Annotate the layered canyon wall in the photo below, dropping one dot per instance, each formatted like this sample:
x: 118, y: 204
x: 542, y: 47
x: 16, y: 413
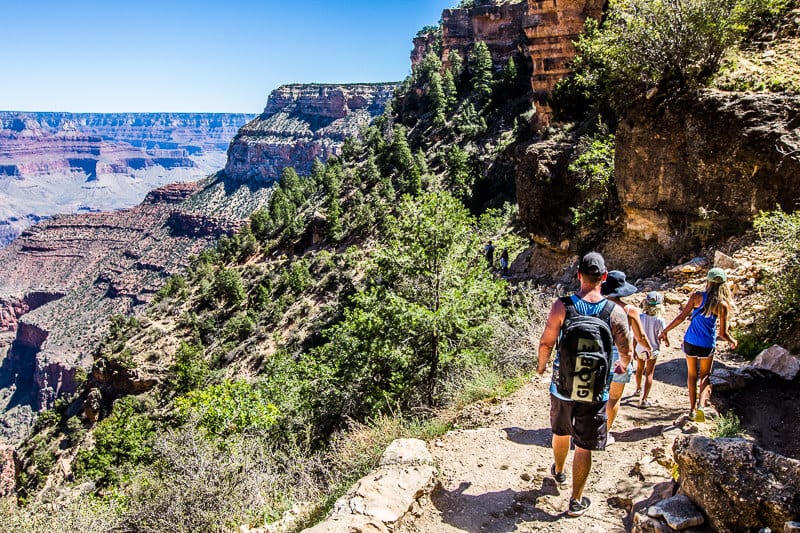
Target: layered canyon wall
x: 539, y: 32
x: 69, y: 162
x: 301, y: 123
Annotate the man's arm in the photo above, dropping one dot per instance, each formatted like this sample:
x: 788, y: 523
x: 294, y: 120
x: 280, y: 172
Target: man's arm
x: 621, y: 332
x: 550, y: 334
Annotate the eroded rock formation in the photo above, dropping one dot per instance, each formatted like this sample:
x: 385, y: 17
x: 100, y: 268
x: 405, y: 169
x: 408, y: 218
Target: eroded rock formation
x: 738, y: 485
x: 66, y: 277
x: 301, y: 123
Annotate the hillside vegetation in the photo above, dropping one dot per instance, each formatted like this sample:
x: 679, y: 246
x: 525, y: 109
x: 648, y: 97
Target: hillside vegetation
x: 359, y: 305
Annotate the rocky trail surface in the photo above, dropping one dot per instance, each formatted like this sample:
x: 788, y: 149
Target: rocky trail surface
x: 494, y: 472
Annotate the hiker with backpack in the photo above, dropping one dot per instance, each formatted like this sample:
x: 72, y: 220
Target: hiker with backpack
x: 615, y: 288
x: 711, y: 311
x: 585, y: 325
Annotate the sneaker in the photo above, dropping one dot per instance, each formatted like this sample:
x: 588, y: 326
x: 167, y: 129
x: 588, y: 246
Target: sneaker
x: 577, y: 508
x: 561, y: 477
x: 637, y: 392
x: 700, y: 415
x: 610, y: 440
x: 692, y: 416
x: 644, y: 404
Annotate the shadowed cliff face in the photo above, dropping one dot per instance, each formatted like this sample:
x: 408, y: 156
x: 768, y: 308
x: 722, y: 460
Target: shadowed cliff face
x: 64, y: 163
x: 688, y: 172
x: 302, y: 123
x: 700, y: 169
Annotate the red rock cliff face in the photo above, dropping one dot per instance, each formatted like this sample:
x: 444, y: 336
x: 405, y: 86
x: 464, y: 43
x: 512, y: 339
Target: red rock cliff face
x: 541, y: 31
x: 302, y: 123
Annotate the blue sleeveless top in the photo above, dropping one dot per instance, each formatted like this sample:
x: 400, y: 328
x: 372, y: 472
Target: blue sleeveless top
x: 702, y: 330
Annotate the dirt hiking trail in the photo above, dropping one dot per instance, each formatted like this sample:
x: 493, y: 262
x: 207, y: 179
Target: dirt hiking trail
x: 494, y: 473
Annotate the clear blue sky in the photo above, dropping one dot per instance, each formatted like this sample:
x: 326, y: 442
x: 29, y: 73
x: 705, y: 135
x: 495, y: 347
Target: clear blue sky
x: 200, y: 55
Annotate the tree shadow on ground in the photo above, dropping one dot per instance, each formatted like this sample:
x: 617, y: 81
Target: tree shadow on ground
x: 493, y: 511
x: 530, y: 437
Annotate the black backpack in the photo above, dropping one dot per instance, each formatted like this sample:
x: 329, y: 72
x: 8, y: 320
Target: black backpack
x: 584, y: 350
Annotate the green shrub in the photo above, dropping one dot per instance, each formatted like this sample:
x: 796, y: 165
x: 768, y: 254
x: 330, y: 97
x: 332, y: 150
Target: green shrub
x: 229, y: 287
x: 190, y: 368
x: 727, y: 426
x: 780, y: 231
x: 593, y: 170
x: 239, y: 327
x: 230, y: 407
x: 121, y: 440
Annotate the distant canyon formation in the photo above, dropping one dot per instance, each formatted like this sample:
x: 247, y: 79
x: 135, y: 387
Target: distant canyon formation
x: 301, y: 123
x: 83, y: 162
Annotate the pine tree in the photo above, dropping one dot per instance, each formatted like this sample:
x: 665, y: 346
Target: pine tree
x: 437, y: 99
x: 450, y: 91
x: 428, y: 316
x: 481, y: 70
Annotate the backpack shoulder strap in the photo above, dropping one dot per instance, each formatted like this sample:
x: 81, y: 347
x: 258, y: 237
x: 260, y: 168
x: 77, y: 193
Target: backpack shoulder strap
x: 570, y: 307
x: 605, y: 314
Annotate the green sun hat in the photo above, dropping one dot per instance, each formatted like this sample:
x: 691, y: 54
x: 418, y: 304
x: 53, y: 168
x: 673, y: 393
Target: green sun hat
x: 717, y: 275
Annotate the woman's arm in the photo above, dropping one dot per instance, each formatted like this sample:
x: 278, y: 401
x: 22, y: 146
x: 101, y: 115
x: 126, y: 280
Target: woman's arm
x: 724, y: 331
x: 694, y: 301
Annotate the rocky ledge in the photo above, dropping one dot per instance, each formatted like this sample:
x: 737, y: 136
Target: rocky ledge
x: 301, y: 123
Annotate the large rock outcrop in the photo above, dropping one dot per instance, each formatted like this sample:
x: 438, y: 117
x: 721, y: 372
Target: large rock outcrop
x: 701, y: 168
x: 738, y: 485
x: 301, y: 123
x: 67, y: 162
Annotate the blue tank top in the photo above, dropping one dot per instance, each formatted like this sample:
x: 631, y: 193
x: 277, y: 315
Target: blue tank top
x: 702, y: 330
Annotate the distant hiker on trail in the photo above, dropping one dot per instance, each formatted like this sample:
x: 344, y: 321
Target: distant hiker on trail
x: 711, y: 310
x: 615, y: 287
x: 586, y: 326
x: 488, y: 252
x: 653, y: 323
x: 504, y: 263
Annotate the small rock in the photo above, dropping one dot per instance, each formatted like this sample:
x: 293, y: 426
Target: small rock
x: 525, y: 477
x: 678, y: 511
x: 645, y: 524
x: 503, y: 467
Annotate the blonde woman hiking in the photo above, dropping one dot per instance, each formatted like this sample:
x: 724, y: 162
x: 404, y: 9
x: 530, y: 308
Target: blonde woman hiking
x: 616, y: 287
x: 711, y: 312
x: 652, y: 320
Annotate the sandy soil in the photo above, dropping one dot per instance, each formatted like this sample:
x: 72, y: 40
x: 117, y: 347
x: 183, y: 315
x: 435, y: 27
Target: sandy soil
x: 495, y: 473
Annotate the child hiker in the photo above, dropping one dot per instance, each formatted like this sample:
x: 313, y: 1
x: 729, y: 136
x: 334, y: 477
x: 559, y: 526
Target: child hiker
x: 652, y: 319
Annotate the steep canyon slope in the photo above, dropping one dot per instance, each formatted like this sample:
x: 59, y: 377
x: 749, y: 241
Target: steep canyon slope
x: 65, y: 278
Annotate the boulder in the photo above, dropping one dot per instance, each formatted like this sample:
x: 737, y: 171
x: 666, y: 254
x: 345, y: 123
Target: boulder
x: 725, y: 261
x: 386, y: 494
x: 727, y: 379
x: 778, y: 360
x: 737, y: 484
x: 679, y: 512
